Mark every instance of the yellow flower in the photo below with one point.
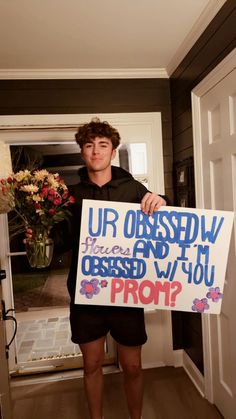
(29, 188)
(37, 198)
(40, 174)
(40, 211)
(53, 182)
(22, 174)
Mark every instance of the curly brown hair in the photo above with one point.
(94, 129)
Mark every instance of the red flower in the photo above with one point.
(52, 211)
(51, 192)
(71, 200)
(65, 194)
(44, 192)
(37, 205)
(57, 201)
(50, 197)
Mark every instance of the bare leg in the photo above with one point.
(130, 360)
(93, 356)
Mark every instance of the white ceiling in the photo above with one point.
(92, 36)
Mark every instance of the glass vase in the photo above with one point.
(39, 248)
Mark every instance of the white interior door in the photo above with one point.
(215, 162)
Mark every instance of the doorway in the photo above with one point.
(56, 131)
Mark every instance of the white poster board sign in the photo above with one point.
(175, 259)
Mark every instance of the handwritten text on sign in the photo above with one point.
(175, 259)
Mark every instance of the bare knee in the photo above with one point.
(132, 370)
(93, 356)
(92, 367)
(130, 360)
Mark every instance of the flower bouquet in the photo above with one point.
(39, 200)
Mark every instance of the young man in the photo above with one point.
(90, 324)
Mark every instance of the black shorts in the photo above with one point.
(126, 325)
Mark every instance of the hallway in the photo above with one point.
(169, 394)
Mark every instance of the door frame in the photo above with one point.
(5, 391)
(213, 78)
(63, 127)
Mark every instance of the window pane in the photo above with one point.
(138, 158)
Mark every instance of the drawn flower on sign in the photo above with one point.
(200, 305)
(89, 288)
(214, 294)
(103, 283)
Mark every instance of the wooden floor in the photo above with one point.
(169, 394)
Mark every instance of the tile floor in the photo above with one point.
(44, 336)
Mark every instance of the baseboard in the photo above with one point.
(177, 361)
(194, 374)
(181, 359)
(147, 365)
(45, 378)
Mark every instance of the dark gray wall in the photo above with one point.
(214, 44)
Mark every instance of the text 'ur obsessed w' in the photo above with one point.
(148, 259)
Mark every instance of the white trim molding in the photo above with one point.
(86, 73)
(194, 373)
(62, 127)
(200, 25)
(182, 359)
